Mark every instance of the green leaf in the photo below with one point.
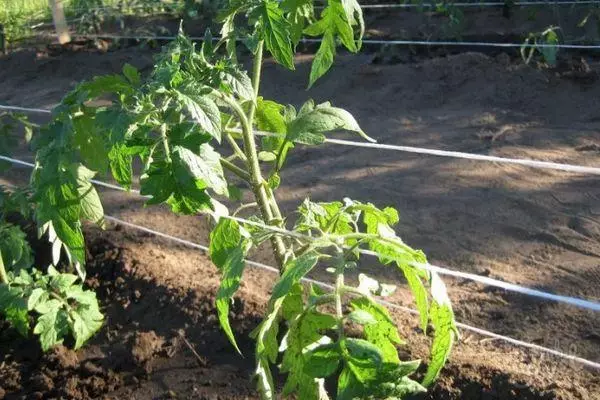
(307, 329)
(276, 31)
(87, 319)
(36, 296)
(337, 20)
(14, 308)
(224, 239)
(90, 141)
(267, 156)
(62, 282)
(269, 117)
(361, 317)
(323, 59)
(445, 332)
(106, 84)
(295, 270)
(52, 327)
(266, 349)
(298, 14)
(228, 32)
(239, 83)
(204, 111)
(349, 388)
(203, 169)
(158, 182)
(322, 361)
(314, 120)
(232, 271)
(121, 165)
(419, 292)
(274, 181)
(91, 207)
(132, 74)
(15, 250)
(293, 303)
(383, 332)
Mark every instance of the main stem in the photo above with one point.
(264, 196)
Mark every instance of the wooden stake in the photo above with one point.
(60, 22)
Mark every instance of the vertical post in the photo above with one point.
(2, 40)
(60, 22)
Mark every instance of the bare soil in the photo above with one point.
(533, 227)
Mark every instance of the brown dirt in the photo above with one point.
(532, 227)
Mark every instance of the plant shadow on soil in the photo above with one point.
(144, 349)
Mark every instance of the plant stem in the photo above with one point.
(339, 289)
(3, 275)
(236, 149)
(256, 72)
(256, 181)
(235, 169)
(244, 207)
(163, 135)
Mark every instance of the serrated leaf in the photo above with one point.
(15, 250)
(322, 361)
(14, 308)
(203, 111)
(274, 181)
(269, 117)
(364, 359)
(239, 82)
(337, 20)
(293, 303)
(276, 31)
(132, 74)
(37, 295)
(121, 165)
(224, 239)
(87, 319)
(295, 270)
(349, 388)
(442, 318)
(62, 282)
(419, 292)
(232, 271)
(91, 207)
(445, 332)
(298, 14)
(51, 327)
(313, 121)
(323, 59)
(383, 333)
(308, 328)
(204, 169)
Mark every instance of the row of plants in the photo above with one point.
(192, 125)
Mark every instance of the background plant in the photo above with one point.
(544, 43)
(52, 305)
(192, 125)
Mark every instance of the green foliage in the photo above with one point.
(175, 123)
(60, 306)
(543, 42)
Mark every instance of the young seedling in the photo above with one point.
(196, 99)
(54, 306)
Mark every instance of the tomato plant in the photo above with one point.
(179, 122)
(52, 305)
